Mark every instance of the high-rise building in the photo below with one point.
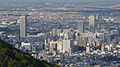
(103, 46)
(81, 27)
(92, 23)
(68, 44)
(23, 26)
(88, 48)
(53, 46)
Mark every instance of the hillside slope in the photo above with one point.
(11, 57)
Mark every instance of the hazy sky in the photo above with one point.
(107, 2)
(60, 1)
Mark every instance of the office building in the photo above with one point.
(92, 23)
(68, 44)
(81, 27)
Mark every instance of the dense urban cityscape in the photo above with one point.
(67, 35)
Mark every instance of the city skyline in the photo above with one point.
(76, 33)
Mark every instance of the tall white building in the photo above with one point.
(103, 45)
(81, 27)
(88, 48)
(92, 23)
(68, 44)
(23, 26)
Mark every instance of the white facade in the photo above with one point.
(67, 44)
(59, 46)
(92, 23)
(88, 48)
(26, 46)
(81, 27)
(23, 26)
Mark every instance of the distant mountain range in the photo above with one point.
(12, 57)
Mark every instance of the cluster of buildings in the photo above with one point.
(62, 46)
(69, 39)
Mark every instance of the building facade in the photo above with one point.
(23, 26)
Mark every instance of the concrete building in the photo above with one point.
(88, 48)
(103, 45)
(92, 23)
(23, 26)
(68, 44)
(60, 46)
(53, 46)
(81, 27)
(26, 46)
